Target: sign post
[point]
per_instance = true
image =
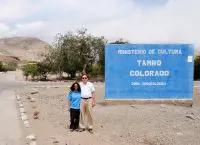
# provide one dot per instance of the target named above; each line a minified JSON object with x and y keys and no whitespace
{"x":149,"y":71}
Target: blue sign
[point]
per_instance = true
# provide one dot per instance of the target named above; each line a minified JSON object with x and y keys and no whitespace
{"x":149,"y":71}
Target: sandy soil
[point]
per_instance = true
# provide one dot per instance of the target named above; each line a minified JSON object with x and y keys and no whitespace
{"x":150,"y":124}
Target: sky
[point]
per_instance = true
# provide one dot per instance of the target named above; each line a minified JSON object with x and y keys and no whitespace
{"x":138,"y":21}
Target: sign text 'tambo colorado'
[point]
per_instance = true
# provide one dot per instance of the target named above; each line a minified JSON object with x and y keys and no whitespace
{"x":149,"y":71}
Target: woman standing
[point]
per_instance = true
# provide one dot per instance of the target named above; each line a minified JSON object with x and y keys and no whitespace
{"x":74,"y":99}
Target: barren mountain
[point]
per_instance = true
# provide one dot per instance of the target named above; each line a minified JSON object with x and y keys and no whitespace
{"x":25,"y":48}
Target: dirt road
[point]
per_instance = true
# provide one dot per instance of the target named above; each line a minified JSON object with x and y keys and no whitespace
{"x":10,"y":131}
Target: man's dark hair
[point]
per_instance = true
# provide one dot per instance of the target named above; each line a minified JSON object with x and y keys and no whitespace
{"x":84,"y":74}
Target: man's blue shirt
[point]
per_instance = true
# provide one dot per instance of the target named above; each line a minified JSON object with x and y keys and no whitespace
{"x":75,"y":99}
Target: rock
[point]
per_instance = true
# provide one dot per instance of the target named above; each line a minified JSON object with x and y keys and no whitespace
{"x":35,"y":113}
{"x":35,"y":117}
{"x":18,"y":97}
{"x":24,"y":117}
{"x":52,"y":137}
{"x":22,"y":114}
{"x":179,"y":133}
{"x":33,"y":99}
{"x":198,"y":117}
{"x":55,"y":86}
{"x":33,"y":107}
{"x":190,"y":117}
{"x":26,"y":124}
{"x":32,"y":143}
{"x":31,"y":137}
{"x":47,"y":87}
{"x":163,"y":106}
{"x":22,"y":110}
{"x":35,"y":92}
{"x":21,"y":105}
{"x":55,"y":142}
{"x":132,"y":106}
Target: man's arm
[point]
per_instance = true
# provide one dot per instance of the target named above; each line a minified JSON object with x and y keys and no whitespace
{"x":93,"y":99}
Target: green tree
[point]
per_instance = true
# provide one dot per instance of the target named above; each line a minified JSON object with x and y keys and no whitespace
{"x":1,"y":67}
{"x":96,"y":70}
{"x":77,"y":52}
{"x":10,"y":66}
{"x":42,"y":69}
{"x":30,"y":69}
{"x":120,"y":41}
{"x":197,"y":68}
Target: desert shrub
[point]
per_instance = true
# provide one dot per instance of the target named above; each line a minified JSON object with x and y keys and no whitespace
{"x":30,"y":69}
{"x":10,"y":66}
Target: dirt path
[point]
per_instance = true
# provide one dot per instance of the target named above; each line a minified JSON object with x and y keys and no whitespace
{"x":10,"y":131}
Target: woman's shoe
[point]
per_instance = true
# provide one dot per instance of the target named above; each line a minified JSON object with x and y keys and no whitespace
{"x":81,"y":129}
{"x":77,"y":130}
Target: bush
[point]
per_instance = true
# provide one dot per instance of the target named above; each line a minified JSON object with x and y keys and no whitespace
{"x":30,"y":69}
{"x":1,"y":67}
{"x":10,"y":66}
{"x":39,"y":69}
{"x":43,"y":69}
{"x":197,"y":68}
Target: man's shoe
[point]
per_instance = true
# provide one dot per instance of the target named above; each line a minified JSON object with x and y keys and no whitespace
{"x":90,"y":130}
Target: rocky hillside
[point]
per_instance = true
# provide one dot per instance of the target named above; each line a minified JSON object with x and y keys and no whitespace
{"x":25,"y":48}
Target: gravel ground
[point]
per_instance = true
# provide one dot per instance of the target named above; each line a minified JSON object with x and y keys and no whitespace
{"x":149,"y":124}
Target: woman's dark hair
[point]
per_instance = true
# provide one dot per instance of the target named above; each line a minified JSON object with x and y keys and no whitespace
{"x":73,"y":88}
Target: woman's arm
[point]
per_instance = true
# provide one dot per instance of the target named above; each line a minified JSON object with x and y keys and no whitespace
{"x":69,"y":100}
{"x":68,"y":105}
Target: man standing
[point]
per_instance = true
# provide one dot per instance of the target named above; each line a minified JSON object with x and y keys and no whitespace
{"x":87,"y":102}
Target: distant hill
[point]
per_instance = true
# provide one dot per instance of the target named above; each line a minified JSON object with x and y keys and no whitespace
{"x":24,"y":48}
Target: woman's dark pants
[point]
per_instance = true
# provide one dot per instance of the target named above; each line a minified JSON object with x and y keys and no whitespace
{"x":74,"y":118}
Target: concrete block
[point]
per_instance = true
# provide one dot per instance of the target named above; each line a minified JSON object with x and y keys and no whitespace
{"x":18,"y":97}
{"x":21,"y":105}
{"x":31,"y":137}
{"x":24,"y":117}
{"x":26,"y":124}
{"x":22,"y":110}
{"x":22,"y":114}
{"x":33,"y":99}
